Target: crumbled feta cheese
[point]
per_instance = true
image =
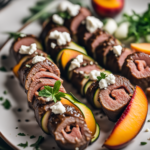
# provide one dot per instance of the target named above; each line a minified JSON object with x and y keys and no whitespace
{"x":53,"y":45}
{"x":92,"y":24}
{"x":37,"y":59}
{"x":81,"y":72}
{"x":61,"y":37}
{"x":58,"y":108}
{"x":57,"y":19}
{"x":48,"y":99}
{"x":103,"y":84}
{"x":147,"y":130}
{"x":117,"y":50}
{"x":94,"y":74}
{"x":110,"y":26}
{"x":91,"y":63}
{"x":72,"y":9}
{"x":28,"y":49}
{"x":110,"y":79}
{"x":76,"y":62}
{"x":79,"y":58}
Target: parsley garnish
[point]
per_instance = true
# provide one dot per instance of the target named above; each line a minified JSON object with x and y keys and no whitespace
{"x":21,"y":134}
{"x":6,"y":104}
{"x":28,"y":66}
{"x":1,"y":98}
{"x":32,"y":136}
{"x":143,"y":143}
{"x":24,"y":145}
{"x":102,"y":76}
{"x":37,"y":143}
{"x":3,"y":69}
{"x":64,"y":15}
{"x":148,"y":120}
{"x":5,"y":92}
{"x":53,"y":92}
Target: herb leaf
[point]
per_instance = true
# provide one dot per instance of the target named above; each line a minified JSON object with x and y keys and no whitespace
{"x":53,"y":92}
{"x":3,"y":69}
{"x":15,"y":35}
{"x":102,"y":76}
{"x":32,"y":136}
{"x":64,"y":15}
{"x":37,"y":143}
{"x":28,"y":66}
{"x":21,"y":134}
{"x":143,"y":143}
{"x":6,"y":104}
{"x":1,"y":98}
{"x":24,"y":145}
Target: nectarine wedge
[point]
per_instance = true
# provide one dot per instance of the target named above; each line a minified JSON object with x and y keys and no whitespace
{"x":130,"y":123}
{"x":141,"y":47}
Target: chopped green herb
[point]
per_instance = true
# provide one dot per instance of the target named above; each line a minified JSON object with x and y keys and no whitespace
{"x":102,"y":76}
{"x":3,"y":69}
{"x":32,"y":136}
{"x":16,"y":127}
{"x":4,"y":56}
{"x":37,"y":143}
{"x":64,"y":15}
{"x":5,"y":92}
{"x":1,"y":98}
{"x":15,"y":35}
{"x":143,"y":143}
{"x":21,"y":134}
{"x":53,"y":92}
{"x":28,"y":66}
{"x":6,"y":104}
{"x":24,"y":145}
{"x":148,"y":120}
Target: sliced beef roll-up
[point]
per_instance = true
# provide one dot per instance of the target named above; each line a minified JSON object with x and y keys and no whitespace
{"x":28,"y":44}
{"x":137,"y":69}
{"x":29,"y":69}
{"x":115,"y":61}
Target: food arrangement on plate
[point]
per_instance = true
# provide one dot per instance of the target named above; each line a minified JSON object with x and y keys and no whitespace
{"x":81,"y":49}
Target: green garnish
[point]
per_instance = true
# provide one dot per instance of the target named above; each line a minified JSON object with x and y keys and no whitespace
{"x":148,"y":120}
{"x":4,"y":56}
{"x":86,"y":77}
{"x":5,"y":92}
{"x":64,"y":15}
{"x":102,"y":76}
{"x":143,"y":143}
{"x":21,"y":134}
{"x":32,"y":136}
{"x":37,"y":143}
{"x":139,"y":24}
{"x":28,"y":66}
{"x":15,"y":35}
{"x":3,"y":69}
{"x":53,"y":92}
{"x":24,"y":145}
{"x":1,"y":98}
{"x":6,"y":104}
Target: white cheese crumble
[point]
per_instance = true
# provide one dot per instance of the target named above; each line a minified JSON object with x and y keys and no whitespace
{"x":53,"y":45}
{"x":117,"y":50}
{"x":37,"y":59}
{"x":147,"y":130}
{"x":61,"y":37}
{"x":76,"y":148}
{"x":48,"y":99}
{"x":72,"y":9}
{"x":92,"y":24}
{"x":28,"y":49}
{"x":103,"y":83}
{"x":81,"y":72}
{"x":58,"y":108}
{"x":94,"y":74}
{"x":76,"y":62}
{"x":57,"y":19}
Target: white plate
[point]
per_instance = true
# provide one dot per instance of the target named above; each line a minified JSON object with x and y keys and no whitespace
{"x":16,"y":95}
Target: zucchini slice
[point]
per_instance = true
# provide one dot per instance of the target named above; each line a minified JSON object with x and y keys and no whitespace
{"x":96,"y":135}
{"x":95,"y":98}
{"x":44,"y":121}
{"x":87,"y":85}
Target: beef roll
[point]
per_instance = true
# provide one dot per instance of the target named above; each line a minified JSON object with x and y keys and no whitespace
{"x":137,"y":69}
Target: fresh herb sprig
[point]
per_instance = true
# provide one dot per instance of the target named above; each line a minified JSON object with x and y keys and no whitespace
{"x":102,"y":76}
{"x":15,"y":35}
{"x":32,"y":137}
{"x":24,"y":145}
{"x":6,"y":104}
{"x":52,"y":92}
{"x":37,"y":143}
{"x":21,"y":134}
{"x":139,"y":25}
{"x":143,"y":143}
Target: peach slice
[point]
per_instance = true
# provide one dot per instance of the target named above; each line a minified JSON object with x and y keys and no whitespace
{"x":130,"y":123}
{"x":141,"y":47}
